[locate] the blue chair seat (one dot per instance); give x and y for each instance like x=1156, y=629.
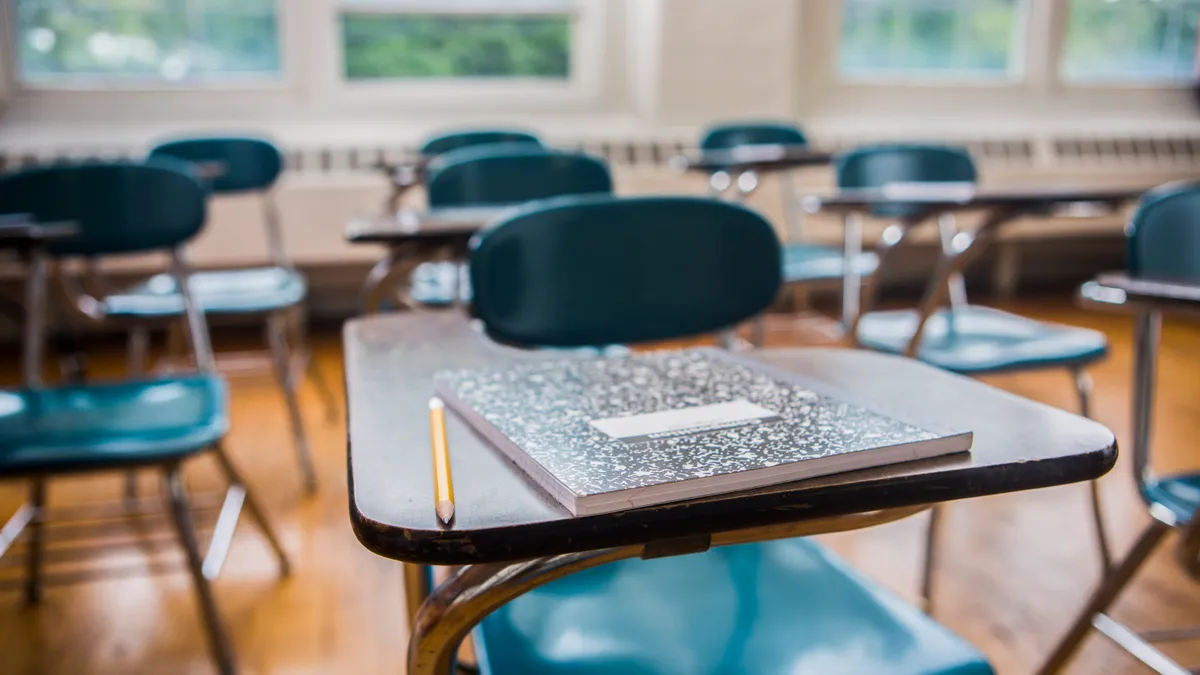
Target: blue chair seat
x=88, y=427
x=811, y=263
x=976, y=340
x=242, y=291
x=785, y=607
x=1179, y=494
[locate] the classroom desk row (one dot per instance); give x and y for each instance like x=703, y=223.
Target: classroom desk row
x=414, y=236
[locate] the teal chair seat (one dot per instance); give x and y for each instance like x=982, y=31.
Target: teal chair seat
x=108, y=425
x=812, y=263
x=785, y=607
x=1178, y=494
x=976, y=340
x=243, y=291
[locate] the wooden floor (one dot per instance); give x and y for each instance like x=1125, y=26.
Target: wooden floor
x=1015, y=568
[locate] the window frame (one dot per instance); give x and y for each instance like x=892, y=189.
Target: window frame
x=1015, y=74
x=285, y=16
x=1131, y=83
x=311, y=81
x=581, y=88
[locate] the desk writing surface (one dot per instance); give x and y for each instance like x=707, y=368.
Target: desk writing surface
x=500, y=515
x=1030, y=196
x=763, y=158
x=415, y=224
x=1145, y=288
x=19, y=233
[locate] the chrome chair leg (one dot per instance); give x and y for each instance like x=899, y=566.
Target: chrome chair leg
x=313, y=369
x=218, y=638
x=253, y=508
x=931, y=548
x=758, y=331
x=35, y=542
x=1111, y=585
x=1084, y=387
x=136, y=351
x=277, y=340
x=418, y=584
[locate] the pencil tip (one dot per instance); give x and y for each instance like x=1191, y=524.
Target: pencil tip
x=445, y=511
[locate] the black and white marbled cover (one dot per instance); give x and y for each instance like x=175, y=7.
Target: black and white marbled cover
x=544, y=408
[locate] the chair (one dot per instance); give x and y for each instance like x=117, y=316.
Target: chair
x=498, y=174
x=960, y=338
x=804, y=264
x=49, y=432
x=597, y=270
x=276, y=293
x=1163, y=240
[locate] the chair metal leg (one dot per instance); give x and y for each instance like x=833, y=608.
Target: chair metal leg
x=277, y=340
x=1084, y=386
x=136, y=350
x=218, y=637
x=312, y=369
x=35, y=542
x=930, y=568
x=1111, y=585
x=418, y=584
x=852, y=241
x=758, y=331
x=1139, y=648
x=253, y=508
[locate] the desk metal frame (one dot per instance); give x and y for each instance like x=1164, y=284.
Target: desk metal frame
x=446, y=616
x=1147, y=310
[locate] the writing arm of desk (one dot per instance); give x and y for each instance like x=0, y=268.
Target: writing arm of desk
x=1118, y=291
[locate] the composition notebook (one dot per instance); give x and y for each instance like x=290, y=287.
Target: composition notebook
x=603, y=435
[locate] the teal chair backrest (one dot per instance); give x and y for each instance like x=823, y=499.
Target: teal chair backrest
x=470, y=137
x=600, y=270
x=119, y=207
x=510, y=173
x=734, y=134
x=1164, y=234
x=246, y=164
x=877, y=165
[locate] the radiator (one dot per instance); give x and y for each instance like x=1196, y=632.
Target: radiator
x=327, y=185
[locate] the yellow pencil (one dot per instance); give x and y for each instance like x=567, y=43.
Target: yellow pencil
x=443, y=484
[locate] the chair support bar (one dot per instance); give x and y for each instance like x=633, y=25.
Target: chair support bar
x=1137, y=647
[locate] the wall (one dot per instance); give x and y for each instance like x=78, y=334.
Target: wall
x=663, y=68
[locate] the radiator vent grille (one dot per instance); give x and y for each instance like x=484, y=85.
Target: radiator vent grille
x=1069, y=152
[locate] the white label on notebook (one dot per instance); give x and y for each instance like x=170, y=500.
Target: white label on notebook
x=701, y=419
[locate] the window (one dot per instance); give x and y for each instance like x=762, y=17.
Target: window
x=154, y=40
x=928, y=37
x=1113, y=40
x=495, y=39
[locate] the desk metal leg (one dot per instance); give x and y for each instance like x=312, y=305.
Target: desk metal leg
x=852, y=233
x=931, y=550
x=947, y=228
x=1110, y=587
x=1083, y=387
x=35, y=318
x=399, y=262
x=418, y=584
